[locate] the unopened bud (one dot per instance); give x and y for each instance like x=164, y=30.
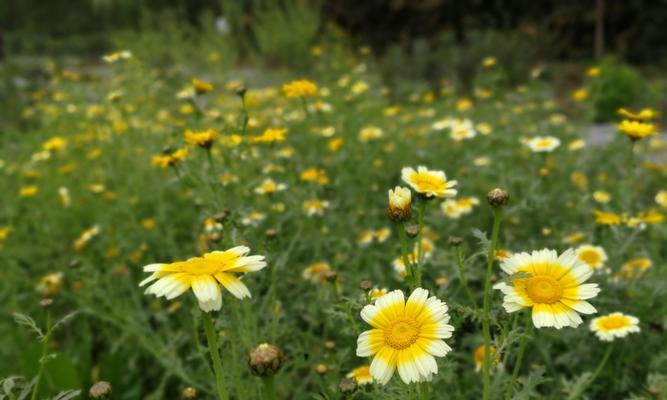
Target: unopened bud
x=100, y=390
x=265, y=360
x=455, y=241
x=498, y=197
x=189, y=393
x=347, y=386
x=365, y=285
x=271, y=233
x=400, y=204
x=321, y=369
x=412, y=230
x=240, y=91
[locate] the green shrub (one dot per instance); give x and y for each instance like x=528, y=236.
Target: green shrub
x=617, y=85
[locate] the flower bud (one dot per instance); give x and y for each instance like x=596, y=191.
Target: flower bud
x=498, y=197
x=347, y=386
x=400, y=202
x=265, y=360
x=455, y=241
x=100, y=390
x=189, y=393
x=412, y=230
x=240, y=91
x=365, y=284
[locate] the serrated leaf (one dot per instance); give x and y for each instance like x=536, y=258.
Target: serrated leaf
x=26, y=321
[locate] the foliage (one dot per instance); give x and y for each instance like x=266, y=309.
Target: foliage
x=113, y=118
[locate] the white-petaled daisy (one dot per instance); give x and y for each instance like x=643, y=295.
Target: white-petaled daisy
x=429, y=183
x=553, y=286
x=204, y=275
x=406, y=336
x=615, y=325
x=594, y=256
x=543, y=144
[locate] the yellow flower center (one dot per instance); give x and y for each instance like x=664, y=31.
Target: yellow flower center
x=401, y=333
x=543, y=289
x=590, y=257
x=614, y=322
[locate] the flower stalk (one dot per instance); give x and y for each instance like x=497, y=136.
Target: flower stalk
x=212, y=339
x=528, y=332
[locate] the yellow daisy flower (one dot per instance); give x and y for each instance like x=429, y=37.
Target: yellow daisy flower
x=429, y=183
x=269, y=186
x=554, y=287
x=316, y=273
x=202, y=139
x=593, y=256
x=615, y=325
x=406, y=336
x=607, y=218
x=299, y=88
x=204, y=275
x=478, y=357
x=601, y=196
x=201, y=87
x=661, y=198
x=315, y=207
x=361, y=375
x=636, y=130
x=634, y=267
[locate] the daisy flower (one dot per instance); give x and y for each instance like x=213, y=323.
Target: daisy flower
x=269, y=186
x=615, y=325
x=543, y=144
x=478, y=357
x=429, y=183
x=204, y=275
x=406, y=336
x=361, y=375
x=553, y=287
x=594, y=256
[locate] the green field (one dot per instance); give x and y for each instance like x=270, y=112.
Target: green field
x=110, y=165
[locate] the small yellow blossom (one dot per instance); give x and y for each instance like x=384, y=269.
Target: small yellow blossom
x=299, y=88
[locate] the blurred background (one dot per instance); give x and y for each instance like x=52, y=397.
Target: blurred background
x=413, y=42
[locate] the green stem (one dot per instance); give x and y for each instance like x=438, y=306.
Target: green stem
x=597, y=371
x=42, y=360
x=522, y=349
x=269, y=388
x=464, y=282
x=497, y=217
x=212, y=338
x=420, y=251
x=409, y=271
